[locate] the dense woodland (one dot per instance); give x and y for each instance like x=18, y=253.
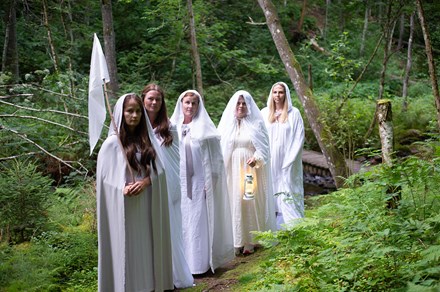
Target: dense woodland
x=378, y=232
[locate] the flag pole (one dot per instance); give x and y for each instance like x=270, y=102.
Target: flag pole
x=116, y=129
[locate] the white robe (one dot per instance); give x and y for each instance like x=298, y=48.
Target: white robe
x=134, y=248
x=170, y=156
x=239, y=143
x=286, y=144
x=206, y=219
x=247, y=215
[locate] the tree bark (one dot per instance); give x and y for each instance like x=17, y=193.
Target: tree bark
x=302, y=16
x=431, y=63
x=49, y=37
x=10, y=52
x=365, y=28
x=408, y=64
x=333, y=156
x=385, y=122
x=195, y=50
x=109, y=46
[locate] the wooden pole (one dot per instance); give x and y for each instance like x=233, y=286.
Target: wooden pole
x=116, y=130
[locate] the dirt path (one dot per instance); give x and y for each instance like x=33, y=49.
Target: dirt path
x=226, y=277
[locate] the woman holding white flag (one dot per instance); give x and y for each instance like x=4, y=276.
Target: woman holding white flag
x=133, y=221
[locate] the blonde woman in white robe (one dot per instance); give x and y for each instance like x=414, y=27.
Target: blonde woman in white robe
x=134, y=247
x=206, y=217
x=166, y=136
x=286, y=135
x=245, y=147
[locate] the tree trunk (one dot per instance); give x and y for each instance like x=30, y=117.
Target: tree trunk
x=327, y=8
x=109, y=46
x=302, y=16
x=195, y=50
x=408, y=64
x=385, y=122
x=49, y=37
x=431, y=63
x=365, y=29
x=401, y=31
x=333, y=156
x=10, y=52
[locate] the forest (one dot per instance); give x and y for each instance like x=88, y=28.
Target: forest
x=343, y=59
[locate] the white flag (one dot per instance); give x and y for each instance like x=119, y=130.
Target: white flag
x=97, y=111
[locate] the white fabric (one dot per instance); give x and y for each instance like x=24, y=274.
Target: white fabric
x=206, y=219
x=97, y=111
x=239, y=143
x=170, y=156
x=134, y=248
x=286, y=142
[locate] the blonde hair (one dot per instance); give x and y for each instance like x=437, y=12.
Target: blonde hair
x=283, y=117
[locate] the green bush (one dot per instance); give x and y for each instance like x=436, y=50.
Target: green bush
x=23, y=200
x=353, y=242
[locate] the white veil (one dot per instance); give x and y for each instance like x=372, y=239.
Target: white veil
x=202, y=126
x=253, y=120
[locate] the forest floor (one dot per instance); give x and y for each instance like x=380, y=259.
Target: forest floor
x=227, y=277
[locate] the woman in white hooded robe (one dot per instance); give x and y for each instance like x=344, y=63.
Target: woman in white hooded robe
x=166, y=136
x=134, y=247
x=245, y=147
x=286, y=135
x=206, y=217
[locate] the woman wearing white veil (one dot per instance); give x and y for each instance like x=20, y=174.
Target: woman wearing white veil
x=134, y=248
x=206, y=217
x=245, y=147
x=286, y=135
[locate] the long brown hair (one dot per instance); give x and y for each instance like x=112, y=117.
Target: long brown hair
x=162, y=121
x=138, y=141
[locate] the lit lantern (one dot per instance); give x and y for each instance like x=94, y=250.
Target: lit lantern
x=248, y=187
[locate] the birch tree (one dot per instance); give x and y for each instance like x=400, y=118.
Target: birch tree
x=408, y=64
x=333, y=156
x=431, y=63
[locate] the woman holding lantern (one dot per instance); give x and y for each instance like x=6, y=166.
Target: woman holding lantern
x=286, y=135
x=245, y=147
x=206, y=217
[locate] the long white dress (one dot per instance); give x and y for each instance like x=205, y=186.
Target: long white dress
x=206, y=217
x=134, y=248
x=170, y=156
x=239, y=143
x=286, y=142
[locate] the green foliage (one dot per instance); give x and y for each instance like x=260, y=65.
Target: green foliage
x=23, y=200
x=352, y=242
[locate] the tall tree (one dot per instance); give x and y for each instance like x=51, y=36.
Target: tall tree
x=408, y=64
x=431, y=63
x=334, y=157
x=109, y=46
x=10, y=53
x=50, y=39
x=195, y=50
x=365, y=28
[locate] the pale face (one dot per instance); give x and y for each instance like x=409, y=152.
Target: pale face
x=241, y=108
x=190, y=105
x=132, y=114
x=153, y=102
x=278, y=96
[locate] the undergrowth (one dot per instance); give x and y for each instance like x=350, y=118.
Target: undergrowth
x=353, y=242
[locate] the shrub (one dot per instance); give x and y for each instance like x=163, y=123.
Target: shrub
x=23, y=200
